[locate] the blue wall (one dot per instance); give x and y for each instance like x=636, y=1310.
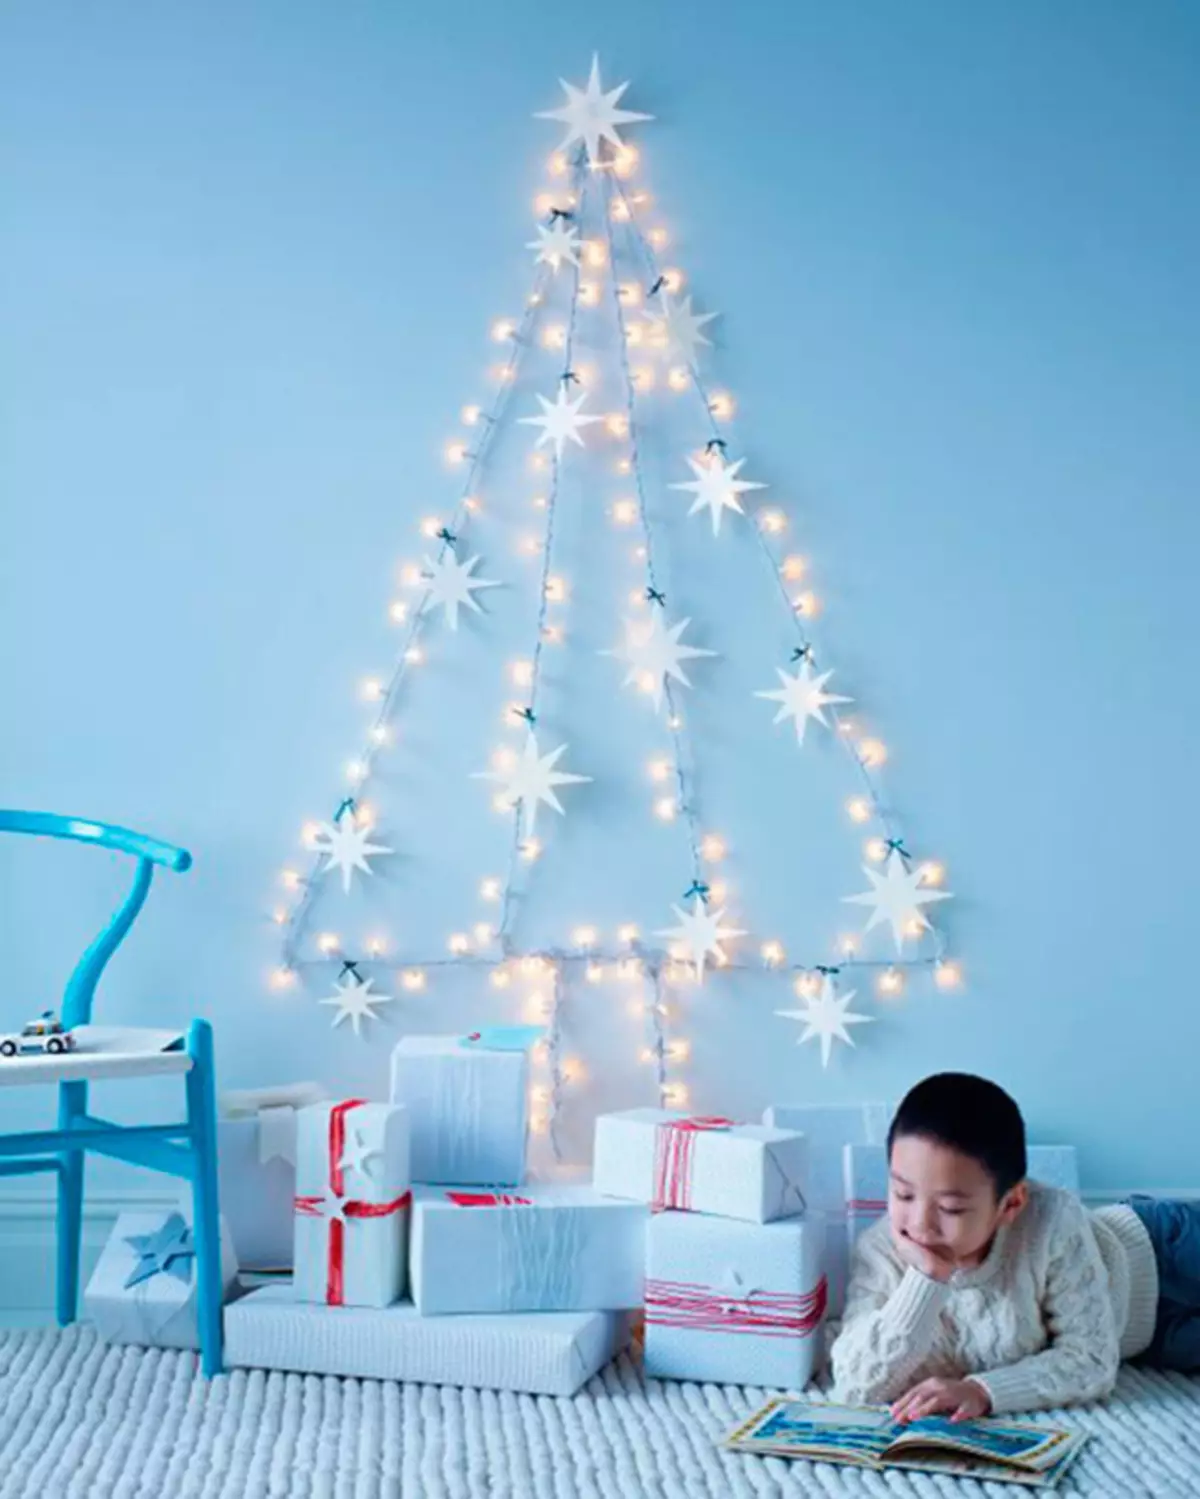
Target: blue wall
x=250, y=257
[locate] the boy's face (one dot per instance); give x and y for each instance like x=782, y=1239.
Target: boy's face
x=945, y=1202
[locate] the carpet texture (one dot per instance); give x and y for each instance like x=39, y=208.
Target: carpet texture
x=80, y=1420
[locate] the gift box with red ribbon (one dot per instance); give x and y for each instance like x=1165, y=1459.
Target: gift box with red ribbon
x=548, y=1247
x=734, y=1303
x=352, y=1204
x=701, y=1164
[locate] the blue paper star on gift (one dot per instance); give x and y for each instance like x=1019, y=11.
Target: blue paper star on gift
x=168, y=1251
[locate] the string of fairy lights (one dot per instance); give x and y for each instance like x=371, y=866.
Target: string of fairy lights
x=650, y=969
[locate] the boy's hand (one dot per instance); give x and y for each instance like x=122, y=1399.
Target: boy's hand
x=962, y=1399
x=927, y=1261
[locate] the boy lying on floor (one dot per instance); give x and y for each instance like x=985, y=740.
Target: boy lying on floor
x=981, y=1292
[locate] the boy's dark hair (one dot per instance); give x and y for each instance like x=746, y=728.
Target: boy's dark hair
x=971, y=1115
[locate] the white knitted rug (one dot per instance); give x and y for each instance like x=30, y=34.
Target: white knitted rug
x=79, y=1420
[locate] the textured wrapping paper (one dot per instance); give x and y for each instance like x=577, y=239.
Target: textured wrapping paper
x=467, y=1110
x=536, y=1353
x=542, y=1248
x=156, y=1313
x=256, y=1156
x=701, y=1164
x=734, y=1303
x=829, y=1128
x=866, y=1176
x=352, y=1203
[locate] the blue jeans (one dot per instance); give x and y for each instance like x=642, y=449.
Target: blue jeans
x=1174, y=1229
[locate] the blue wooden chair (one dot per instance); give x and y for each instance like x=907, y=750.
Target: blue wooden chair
x=187, y=1150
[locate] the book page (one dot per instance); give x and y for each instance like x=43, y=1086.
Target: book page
x=1023, y=1446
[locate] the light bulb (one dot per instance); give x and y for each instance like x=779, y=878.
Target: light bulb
x=675, y=722
x=413, y=979
x=589, y=293
x=617, y=424
x=282, y=978
x=679, y=1051
x=371, y=689
x=915, y=929
x=643, y=377
x=639, y=554
x=719, y=891
x=848, y=944
x=623, y=466
x=356, y=771
x=584, y=936
x=620, y=211
x=502, y=802
x=630, y=293
x=876, y=850
x=556, y=590
x=646, y=682
x=808, y=986
x=328, y=943
x=721, y=405
x=807, y=605
x=501, y=978
x=624, y=512
x=553, y=635
x=542, y=204
x=627, y=934
x=673, y=280
x=489, y=889
x=794, y=567
x=398, y=612
x=772, y=521
x=678, y=379
x=530, y=546
x=483, y=933
x=539, y=502
x=772, y=953
x=872, y=753
x=470, y=415
x=456, y=452
x=624, y=161
x=932, y=873
x=458, y=943
x=664, y=808
x=595, y=973
x=595, y=253
x=309, y=834
x=379, y=734
x=859, y=809
x=891, y=982
x=585, y=376
x=712, y=848
x=521, y=673
x=675, y=1095
x=554, y=336
x=537, y=465
x=658, y=238
x=414, y=655
x=947, y=974
x=279, y=916
x=290, y=878
x=471, y=503
x=557, y=165
x=501, y=373
x=531, y=849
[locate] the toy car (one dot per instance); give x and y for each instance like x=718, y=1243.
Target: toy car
x=45, y=1034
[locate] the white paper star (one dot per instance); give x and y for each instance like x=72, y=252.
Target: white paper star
x=560, y=421
x=357, y=1154
x=556, y=245
x=530, y=779
x=591, y=115
x=450, y=584
x=826, y=1016
x=654, y=652
x=717, y=486
x=701, y=932
x=676, y=329
x=896, y=896
x=347, y=847
x=353, y=1000
x=803, y=697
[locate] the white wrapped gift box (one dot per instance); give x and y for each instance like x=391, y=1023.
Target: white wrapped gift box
x=540, y=1248
x=256, y=1154
x=866, y=1176
x=701, y=1164
x=158, y=1311
x=829, y=1128
x=467, y=1107
x=729, y=1302
x=535, y=1353
x=352, y=1203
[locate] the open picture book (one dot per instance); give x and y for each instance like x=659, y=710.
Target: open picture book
x=867, y=1437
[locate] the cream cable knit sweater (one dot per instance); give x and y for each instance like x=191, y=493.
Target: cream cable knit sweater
x=1062, y=1296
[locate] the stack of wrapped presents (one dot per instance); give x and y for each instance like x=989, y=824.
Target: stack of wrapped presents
x=421, y=1250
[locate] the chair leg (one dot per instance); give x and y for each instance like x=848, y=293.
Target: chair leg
x=202, y=1124
x=72, y=1102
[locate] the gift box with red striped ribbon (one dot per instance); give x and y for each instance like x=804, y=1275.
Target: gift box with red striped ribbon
x=701, y=1164
x=729, y=1302
x=352, y=1203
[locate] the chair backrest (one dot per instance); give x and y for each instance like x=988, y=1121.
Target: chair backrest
x=81, y=987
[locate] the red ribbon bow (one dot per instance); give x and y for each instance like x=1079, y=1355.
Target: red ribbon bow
x=315, y=1207
x=674, y=1149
